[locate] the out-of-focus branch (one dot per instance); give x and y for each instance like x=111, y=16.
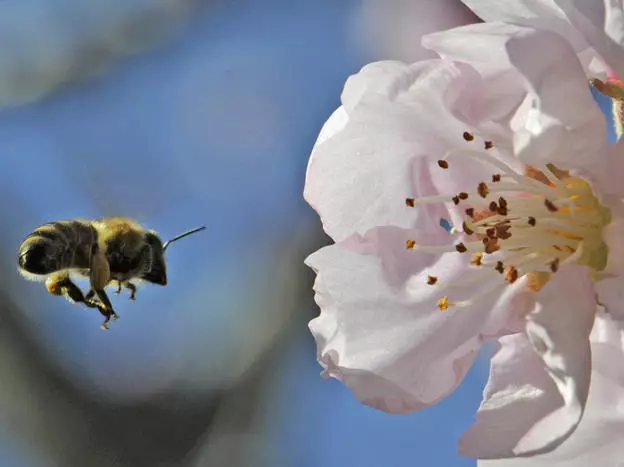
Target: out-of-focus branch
x=68, y=428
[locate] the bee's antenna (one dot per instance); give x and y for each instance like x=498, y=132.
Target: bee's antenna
x=182, y=235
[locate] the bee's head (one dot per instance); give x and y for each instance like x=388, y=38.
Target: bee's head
x=158, y=270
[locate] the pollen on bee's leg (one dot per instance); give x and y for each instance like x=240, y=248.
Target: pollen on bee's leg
x=54, y=286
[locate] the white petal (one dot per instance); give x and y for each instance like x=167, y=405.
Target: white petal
x=602, y=24
x=597, y=441
x=380, y=330
x=558, y=120
x=359, y=178
x=543, y=14
x=527, y=410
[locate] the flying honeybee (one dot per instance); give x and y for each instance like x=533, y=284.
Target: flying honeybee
x=111, y=250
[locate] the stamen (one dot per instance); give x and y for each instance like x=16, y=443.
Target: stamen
x=510, y=274
x=483, y=190
x=444, y=304
x=503, y=222
x=492, y=247
x=550, y=205
x=536, y=280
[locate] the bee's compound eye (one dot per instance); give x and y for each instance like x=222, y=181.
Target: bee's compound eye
x=33, y=257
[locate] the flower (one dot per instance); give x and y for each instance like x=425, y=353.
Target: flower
x=470, y=198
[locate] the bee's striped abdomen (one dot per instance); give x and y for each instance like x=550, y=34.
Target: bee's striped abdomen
x=56, y=246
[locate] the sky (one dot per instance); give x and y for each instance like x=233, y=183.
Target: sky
x=212, y=127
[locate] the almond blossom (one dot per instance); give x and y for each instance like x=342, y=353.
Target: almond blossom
x=470, y=197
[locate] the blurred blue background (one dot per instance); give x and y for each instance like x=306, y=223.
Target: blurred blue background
x=177, y=114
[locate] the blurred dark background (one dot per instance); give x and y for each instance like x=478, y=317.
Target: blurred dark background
x=179, y=113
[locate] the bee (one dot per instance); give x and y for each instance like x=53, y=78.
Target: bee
x=112, y=250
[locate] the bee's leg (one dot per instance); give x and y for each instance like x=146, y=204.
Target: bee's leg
x=118, y=291
x=99, y=278
x=132, y=288
x=108, y=313
x=61, y=284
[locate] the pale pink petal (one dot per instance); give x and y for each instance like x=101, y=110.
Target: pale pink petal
x=612, y=184
x=542, y=14
x=602, y=24
x=598, y=439
x=360, y=176
x=609, y=287
x=377, y=77
x=538, y=386
x=386, y=339
x=334, y=125
x=558, y=120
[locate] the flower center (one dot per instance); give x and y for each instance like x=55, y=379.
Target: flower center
x=521, y=224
